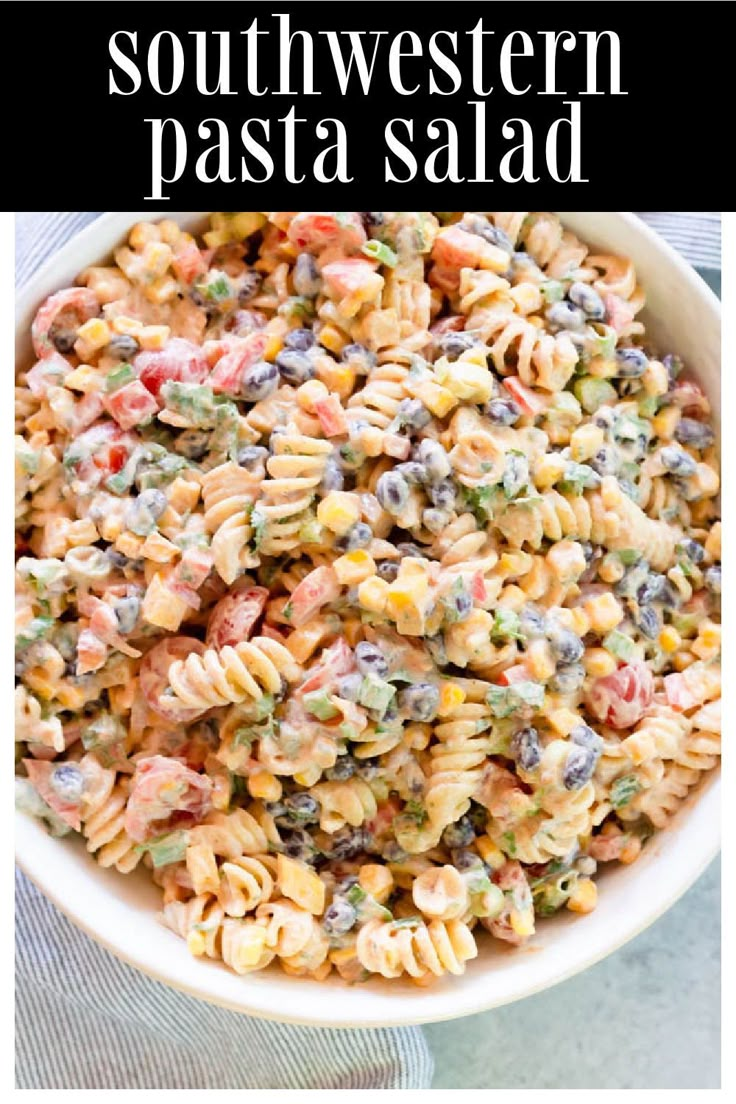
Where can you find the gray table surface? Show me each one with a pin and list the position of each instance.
(647, 1017)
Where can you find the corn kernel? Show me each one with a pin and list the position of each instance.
(354, 567)
(610, 569)
(522, 922)
(85, 378)
(579, 622)
(183, 495)
(157, 257)
(564, 721)
(665, 422)
(604, 611)
(708, 643)
(332, 338)
(631, 850)
(162, 290)
(539, 660)
(451, 696)
(339, 511)
(584, 896)
(152, 337)
(196, 943)
(655, 378)
(682, 660)
(713, 542)
(492, 855)
(373, 594)
(250, 946)
(598, 662)
(567, 560)
(376, 880)
(263, 785)
(124, 325)
(585, 442)
(161, 607)
(309, 775)
(339, 378)
(142, 234)
(129, 544)
(69, 697)
(669, 639)
(311, 392)
(437, 399)
(300, 884)
(91, 336)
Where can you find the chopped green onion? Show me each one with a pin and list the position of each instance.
(380, 252)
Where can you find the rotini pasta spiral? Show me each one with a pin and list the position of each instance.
(417, 949)
(232, 674)
(295, 470)
(228, 492)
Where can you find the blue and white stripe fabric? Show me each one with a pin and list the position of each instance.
(85, 1020)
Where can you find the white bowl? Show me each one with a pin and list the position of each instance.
(120, 911)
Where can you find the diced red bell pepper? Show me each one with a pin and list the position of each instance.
(331, 416)
(179, 360)
(131, 405)
(235, 616)
(530, 402)
(314, 591)
(227, 375)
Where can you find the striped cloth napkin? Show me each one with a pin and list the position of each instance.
(85, 1020)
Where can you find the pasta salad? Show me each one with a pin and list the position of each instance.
(368, 577)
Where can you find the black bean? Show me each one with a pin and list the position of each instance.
(295, 366)
(648, 622)
(692, 550)
(373, 218)
(406, 548)
(347, 843)
(566, 645)
(437, 649)
(531, 622)
(339, 917)
(299, 845)
(526, 749)
(192, 443)
(503, 412)
(249, 285)
(459, 603)
(413, 413)
(435, 459)
(307, 280)
(392, 491)
(674, 366)
(464, 859)
(300, 339)
(651, 589)
(344, 768)
(635, 577)
(567, 678)
(689, 431)
(67, 781)
(393, 853)
(122, 347)
(455, 343)
(349, 686)
(370, 659)
(631, 363)
(436, 520)
(387, 570)
(332, 477)
(713, 579)
(564, 316)
(677, 461)
(62, 338)
(460, 834)
(442, 494)
(606, 460)
(143, 512)
(359, 535)
(480, 225)
(360, 357)
(253, 457)
(584, 735)
(420, 702)
(515, 474)
(259, 380)
(126, 613)
(302, 808)
(579, 767)
(588, 299)
(413, 472)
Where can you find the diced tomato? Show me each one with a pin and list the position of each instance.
(335, 661)
(346, 276)
(314, 591)
(691, 399)
(194, 567)
(162, 788)
(396, 446)
(154, 679)
(227, 375)
(103, 450)
(188, 262)
(516, 673)
(619, 313)
(456, 248)
(621, 699)
(315, 230)
(131, 405)
(235, 616)
(452, 323)
(679, 695)
(87, 411)
(531, 402)
(47, 372)
(40, 774)
(478, 587)
(331, 416)
(381, 824)
(179, 360)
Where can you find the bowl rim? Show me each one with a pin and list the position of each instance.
(452, 1003)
